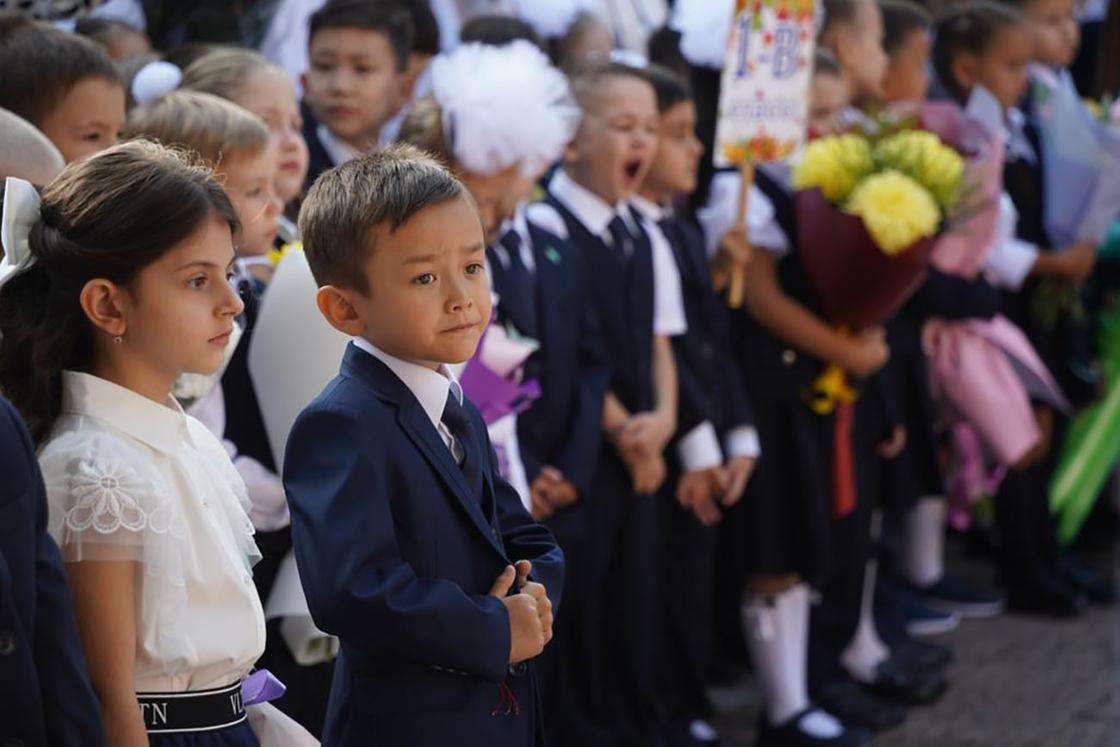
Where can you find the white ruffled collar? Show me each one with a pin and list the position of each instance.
(163, 427)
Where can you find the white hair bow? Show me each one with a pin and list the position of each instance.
(21, 213)
(154, 81)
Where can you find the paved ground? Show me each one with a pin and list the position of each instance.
(1016, 682)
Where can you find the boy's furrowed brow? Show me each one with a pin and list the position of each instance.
(419, 259)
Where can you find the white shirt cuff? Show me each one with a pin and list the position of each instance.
(1010, 262)
(699, 448)
(743, 442)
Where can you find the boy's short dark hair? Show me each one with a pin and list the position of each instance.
(671, 88)
(588, 76)
(838, 13)
(425, 27)
(968, 28)
(498, 31)
(664, 48)
(350, 205)
(388, 17)
(40, 64)
(901, 18)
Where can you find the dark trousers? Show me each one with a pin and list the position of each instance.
(615, 621)
(1027, 534)
(684, 639)
(569, 659)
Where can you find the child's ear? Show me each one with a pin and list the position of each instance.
(417, 63)
(964, 71)
(303, 83)
(339, 311)
(104, 304)
(571, 151)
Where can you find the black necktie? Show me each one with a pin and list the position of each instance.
(518, 296)
(459, 423)
(622, 239)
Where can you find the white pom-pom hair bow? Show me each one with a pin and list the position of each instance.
(503, 106)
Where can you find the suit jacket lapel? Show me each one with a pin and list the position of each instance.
(418, 427)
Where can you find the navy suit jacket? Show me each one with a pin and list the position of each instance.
(710, 382)
(45, 692)
(397, 558)
(564, 427)
(317, 159)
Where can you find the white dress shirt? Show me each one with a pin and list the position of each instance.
(720, 214)
(1011, 260)
(129, 479)
(338, 151)
(595, 214)
(431, 389)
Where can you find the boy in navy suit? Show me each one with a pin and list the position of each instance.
(358, 79)
(634, 290)
(45, 692)
(411, 548)
(717, 443)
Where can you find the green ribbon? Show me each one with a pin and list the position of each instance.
(1092, 446)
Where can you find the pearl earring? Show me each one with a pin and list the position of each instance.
(118, 339)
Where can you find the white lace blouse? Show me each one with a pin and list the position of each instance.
(130, 479)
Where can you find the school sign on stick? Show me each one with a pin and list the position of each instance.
(764, 93)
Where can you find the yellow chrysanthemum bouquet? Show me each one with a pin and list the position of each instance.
(868, 211)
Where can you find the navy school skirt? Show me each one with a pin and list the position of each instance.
(238, 735)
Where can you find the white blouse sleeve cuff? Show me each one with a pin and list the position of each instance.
(743, 442)
(699, 448)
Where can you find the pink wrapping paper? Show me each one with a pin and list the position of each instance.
(963, 250)
(974, 379)
(977, 367)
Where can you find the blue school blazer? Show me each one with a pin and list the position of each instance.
(564, 427)
(397, 558)
(45, 692)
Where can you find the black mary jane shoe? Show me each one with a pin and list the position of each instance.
(896, 682)
(790, 734)
(851, 703)
(921, 655)
(1050, 597)
(1099, 587)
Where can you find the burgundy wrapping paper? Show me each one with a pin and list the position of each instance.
(856, 284)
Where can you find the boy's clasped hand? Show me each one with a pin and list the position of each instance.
(530, 611)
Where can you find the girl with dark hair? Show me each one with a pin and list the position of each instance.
(981, 54)
(117, 284)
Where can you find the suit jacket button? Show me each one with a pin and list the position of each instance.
(7, 644)
(519, 669)
(789, 357)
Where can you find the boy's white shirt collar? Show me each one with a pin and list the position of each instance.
(519, 224)
(649, 209)
(591, 210)
(338, 151)
(429, 387)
